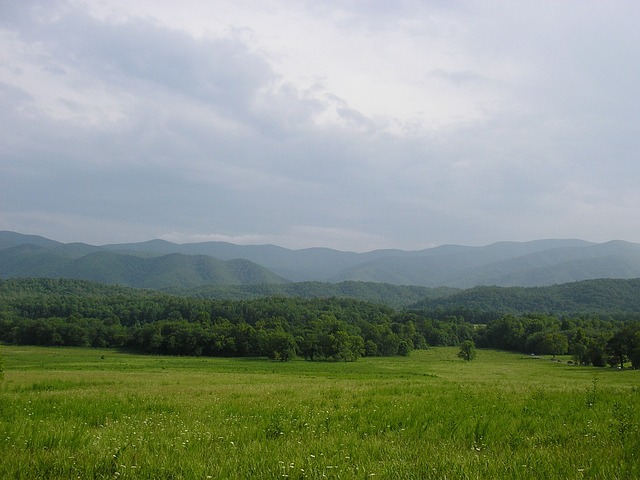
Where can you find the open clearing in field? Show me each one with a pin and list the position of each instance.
(82, 413)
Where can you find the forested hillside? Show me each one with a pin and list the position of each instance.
(395, 296)
(606, 298)
(171, 270)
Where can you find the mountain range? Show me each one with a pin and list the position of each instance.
(162, 264)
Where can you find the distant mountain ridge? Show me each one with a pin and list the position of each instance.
(162, 264)
(104, 266)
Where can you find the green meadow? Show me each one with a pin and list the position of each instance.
(87, 413)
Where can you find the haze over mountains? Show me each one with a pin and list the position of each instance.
(162, 264)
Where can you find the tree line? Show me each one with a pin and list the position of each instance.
(590, 341)
(76, 313)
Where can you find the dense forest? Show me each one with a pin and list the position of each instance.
(395, 296)
(79, 313)
(605, 298)
(71, 312)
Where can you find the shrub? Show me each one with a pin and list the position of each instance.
(467, 350)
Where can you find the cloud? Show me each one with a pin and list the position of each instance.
(352, 124)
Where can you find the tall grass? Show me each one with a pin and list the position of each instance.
(77, 413)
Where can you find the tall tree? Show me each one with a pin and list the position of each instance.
(467, 350)
(279, 345)
(596, 350)
(555, 343)
(617, 349)
(634, 350)
(578, 347)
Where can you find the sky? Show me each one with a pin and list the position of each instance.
(350, 124)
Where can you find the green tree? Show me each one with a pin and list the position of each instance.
(279, 345)
(343, 346)
(335, 340)
(404, 349)
(634, 350)
(370, 348)
(596, 350)
(506, 333)
(467, 350)
(617, 349)
(554, 343)
(1, 365)
(625, 345)
(534, 343)
(578, 347)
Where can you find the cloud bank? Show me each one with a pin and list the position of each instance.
(353, 125)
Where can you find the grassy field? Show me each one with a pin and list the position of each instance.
(80, 413)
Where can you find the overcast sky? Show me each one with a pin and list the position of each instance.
(353, 125)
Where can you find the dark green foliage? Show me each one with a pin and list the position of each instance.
(554, 343)
(467, 350)
(77, 313)
(328, 338)
(596, 349)
(404, 348)
(578, 346)
(590, 341)
(609, 298)
(634, 349)
(624, 345)
(619, 346)
(395, 296)
(278, 345)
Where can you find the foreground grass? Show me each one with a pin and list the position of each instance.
(79, 413)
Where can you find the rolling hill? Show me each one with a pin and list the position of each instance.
(171, 270)
(162, 264)
(606, 298)
(603, 299)
(395, 296)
